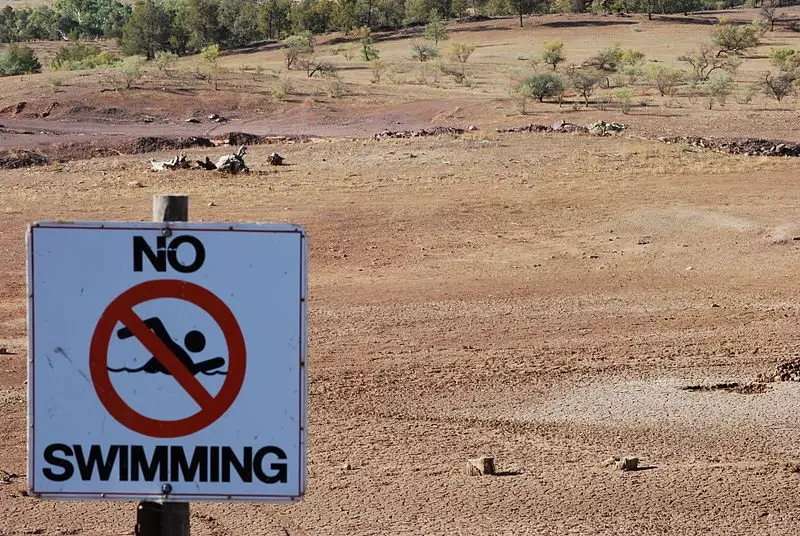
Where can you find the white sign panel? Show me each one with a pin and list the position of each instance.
(167, 361)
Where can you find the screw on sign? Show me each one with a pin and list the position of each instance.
(168, 357)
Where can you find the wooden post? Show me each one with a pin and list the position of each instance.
(153, 518)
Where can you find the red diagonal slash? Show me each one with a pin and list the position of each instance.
(161, 352)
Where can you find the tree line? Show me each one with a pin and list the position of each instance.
(187, 26)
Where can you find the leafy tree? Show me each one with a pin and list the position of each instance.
(238, 20)
(19, 60)
(541, 86)
(779, 85)
(147, 30)
(435, 30)
(732, 39)
(315, 16)
(784, 59)
(665, 79)
(130, 69)
(210, 56)
(584, 82)
(296, 46)
(705, 59)
(273, 18)
(553, 53)
(717, 88)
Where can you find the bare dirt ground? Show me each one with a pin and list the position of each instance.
(540, 298)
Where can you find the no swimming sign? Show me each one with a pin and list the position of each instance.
(167, 362)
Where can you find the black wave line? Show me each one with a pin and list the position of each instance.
(126, 369)
(215, 373)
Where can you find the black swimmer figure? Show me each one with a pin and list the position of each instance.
(194, 341)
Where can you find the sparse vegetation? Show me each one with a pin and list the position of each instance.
(423, 52)
(368, 50)
(717, 88)
(377, 68)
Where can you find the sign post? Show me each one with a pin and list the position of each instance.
(167, 363)
(153, 518)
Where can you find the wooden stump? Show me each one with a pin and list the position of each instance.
(480, 466)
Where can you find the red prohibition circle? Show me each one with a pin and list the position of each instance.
(121, 310)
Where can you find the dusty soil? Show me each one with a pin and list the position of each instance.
(541, 298)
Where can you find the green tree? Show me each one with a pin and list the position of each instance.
(273, 18)
(238, 20)
(584, 82)
(147, 30)
(19, 60)
(785, 59)
(665, 79)
(553, 53)
(435, 30)
(541, 86)
(734, 39)
(296, 46)
(210, 56)
(368, 50)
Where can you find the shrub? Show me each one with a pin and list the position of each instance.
(164, 60)
(553, 53)
(283, 88)
(131, 69)
(19, 60)
(423, 52)
(779, 85)
(717, 88)
(460, 52)
(625, 96)
(665, 79)
(541, 86)
(377, 67)
(79, 55)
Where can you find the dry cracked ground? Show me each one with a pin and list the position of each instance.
(539, 298)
